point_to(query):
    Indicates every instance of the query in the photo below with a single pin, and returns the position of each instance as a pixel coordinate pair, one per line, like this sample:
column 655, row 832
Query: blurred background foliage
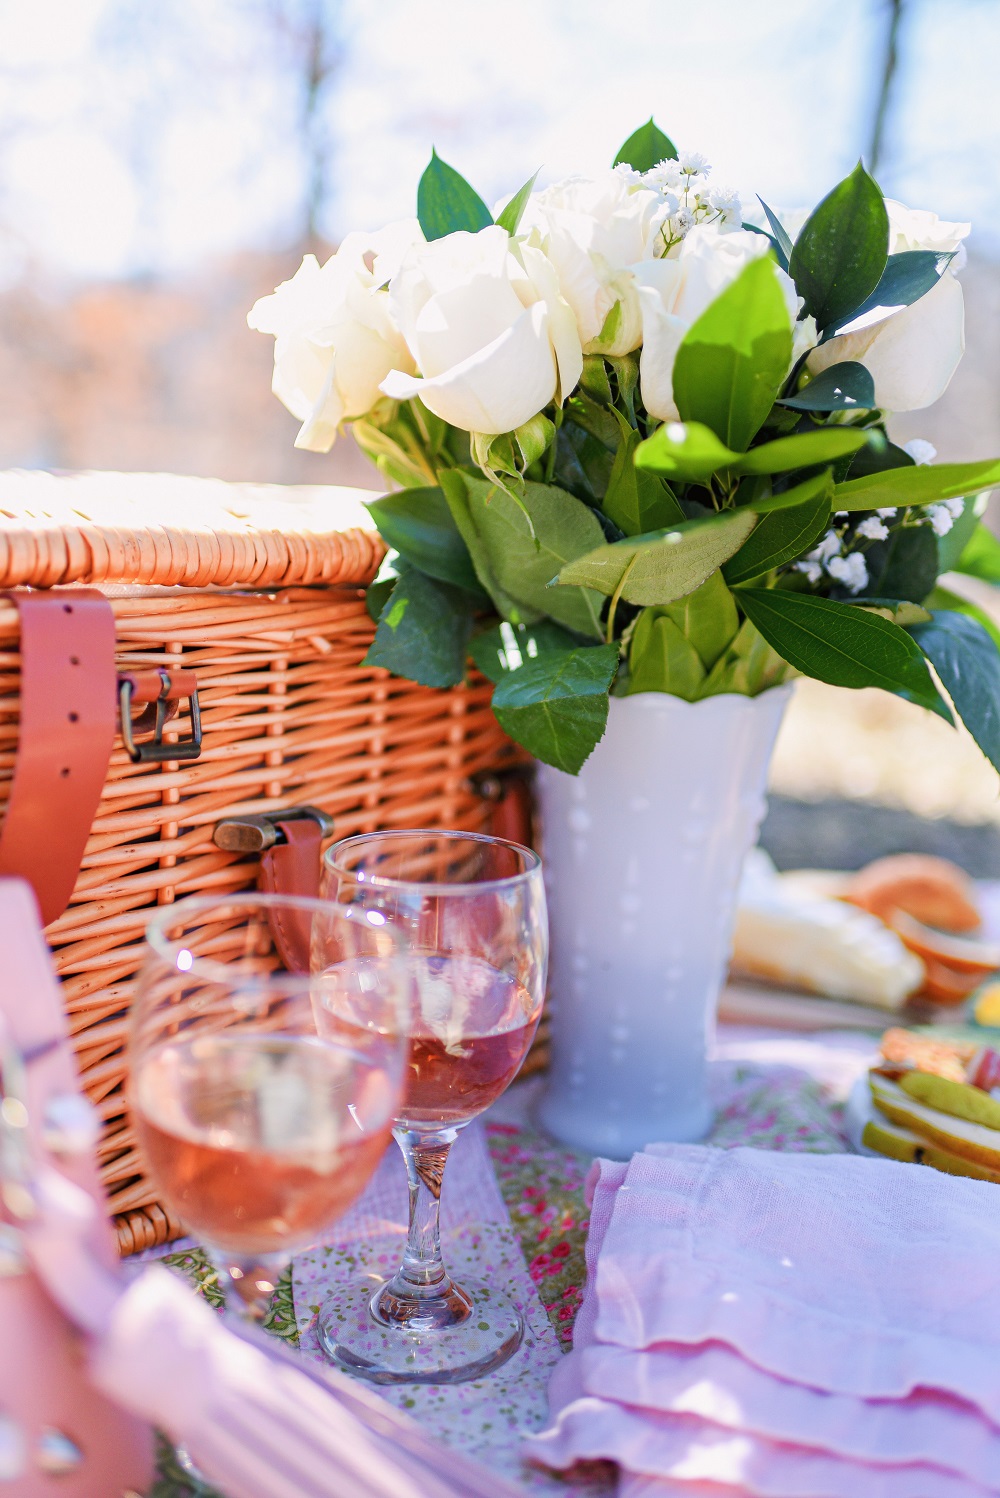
column 162, row 165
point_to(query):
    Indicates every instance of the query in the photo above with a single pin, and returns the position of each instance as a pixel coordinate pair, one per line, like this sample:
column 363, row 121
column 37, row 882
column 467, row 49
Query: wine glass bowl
column 471, row 912
column 261, row 1121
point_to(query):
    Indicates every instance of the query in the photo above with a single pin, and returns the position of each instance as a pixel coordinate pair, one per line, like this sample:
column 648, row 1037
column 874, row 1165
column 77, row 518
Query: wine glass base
column 357, row 1343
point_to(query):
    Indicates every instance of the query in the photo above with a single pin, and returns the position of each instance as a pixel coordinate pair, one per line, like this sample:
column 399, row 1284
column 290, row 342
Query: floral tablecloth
column 772, row 1091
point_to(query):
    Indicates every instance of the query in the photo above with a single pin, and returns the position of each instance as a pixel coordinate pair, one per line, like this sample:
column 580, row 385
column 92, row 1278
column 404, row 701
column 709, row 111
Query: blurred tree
column 888, row 64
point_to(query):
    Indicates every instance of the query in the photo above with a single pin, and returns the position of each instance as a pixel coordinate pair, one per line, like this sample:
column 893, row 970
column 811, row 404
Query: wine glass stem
column 421, row 1294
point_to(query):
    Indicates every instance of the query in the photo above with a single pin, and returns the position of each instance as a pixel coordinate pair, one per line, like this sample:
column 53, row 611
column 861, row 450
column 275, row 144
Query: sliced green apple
column 897, row 1143
column 971, row 1141
column 957, row 1098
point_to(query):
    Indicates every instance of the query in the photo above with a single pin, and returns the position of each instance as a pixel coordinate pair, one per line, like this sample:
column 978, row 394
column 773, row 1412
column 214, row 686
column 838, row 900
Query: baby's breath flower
column 920, row 451
column 665, row 176
column 887, row 513
column 872, row 529
column 829, row 547
column 812, row 570
column 692, row 163
column 941, row 519
column 851, row 570
column 629, row 173
column 955, row 507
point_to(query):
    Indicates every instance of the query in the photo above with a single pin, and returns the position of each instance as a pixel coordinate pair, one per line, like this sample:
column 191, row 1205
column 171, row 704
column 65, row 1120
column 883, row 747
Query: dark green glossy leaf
column 878, row 456
column 782, row 536
column 660, row 567
column 788, row 499
column 944, row 598
column 840, row 644
column 907, row 277
column 922, row 484
column 734, row 358
column 510, row 215
column 842, row 249
column 968, row 665
column 905, row 565
column 840, row 387
column 557, row 705
column 420, row 526
column 507, row 647
column 423, row 632
column 951, row 546
column 446, row 202
column 522, row 549
column 646, row 148
column 981, row 556
column 780, row 234
column 660, row 659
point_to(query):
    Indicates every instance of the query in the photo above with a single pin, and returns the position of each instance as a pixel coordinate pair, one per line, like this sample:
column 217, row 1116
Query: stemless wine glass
column 261, row 1121
column 471, row 910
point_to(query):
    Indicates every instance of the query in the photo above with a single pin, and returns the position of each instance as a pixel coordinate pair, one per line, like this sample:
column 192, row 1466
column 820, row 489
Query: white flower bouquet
column 638, row 433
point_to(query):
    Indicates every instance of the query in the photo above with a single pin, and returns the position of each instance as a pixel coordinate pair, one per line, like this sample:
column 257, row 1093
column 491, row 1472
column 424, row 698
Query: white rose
column 492, row 338
column 919, row 229
column 592, row 231
column 911, row 355
column 335, row 340
column 674, row 293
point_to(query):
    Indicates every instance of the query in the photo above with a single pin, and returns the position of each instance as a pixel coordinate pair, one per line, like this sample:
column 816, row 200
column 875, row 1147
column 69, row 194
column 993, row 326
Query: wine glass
column 260, row 1120
column 472, row 912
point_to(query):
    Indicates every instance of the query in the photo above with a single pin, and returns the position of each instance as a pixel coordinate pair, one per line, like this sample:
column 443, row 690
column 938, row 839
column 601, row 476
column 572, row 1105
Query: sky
column 143, row 138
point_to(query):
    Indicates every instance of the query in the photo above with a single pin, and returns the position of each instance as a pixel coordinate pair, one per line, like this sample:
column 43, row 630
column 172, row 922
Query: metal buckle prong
column 156, row 751
column 255, row 832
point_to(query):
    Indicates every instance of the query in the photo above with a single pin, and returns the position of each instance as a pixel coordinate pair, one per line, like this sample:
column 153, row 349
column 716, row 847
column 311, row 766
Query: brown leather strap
column 292, row 868
column 65, row 739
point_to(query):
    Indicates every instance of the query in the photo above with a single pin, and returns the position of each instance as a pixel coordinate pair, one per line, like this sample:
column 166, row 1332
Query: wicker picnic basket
column 257, row 591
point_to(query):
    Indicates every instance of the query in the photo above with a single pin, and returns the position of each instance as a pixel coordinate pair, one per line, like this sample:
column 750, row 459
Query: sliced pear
column 902, row 1144
column 958, row 1136
column 957, row 1098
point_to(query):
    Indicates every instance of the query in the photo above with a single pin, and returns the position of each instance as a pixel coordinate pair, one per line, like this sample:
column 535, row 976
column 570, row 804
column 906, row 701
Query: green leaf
column 646, row 148
column 878, row 456
column 637, row 501
column 790, row 499
column 557, row 706
column 943, row 598
column 801, row 450
column 782, row 536
column 507, row 647
column 446, row 203
column 423, row 632
column 509, row 217
column 968, row 665
column 391, row 570
column 842, row 249
column 922, row 484
column 594, row 378
column 951, row 546
column 780, row 233
column 685, row 450
column 457, row 491
column 898, row 611
column 707, row 618
column 419, row 525
column 840, row 387
column 521, row 550
column 533, row 437
column 841, row 644
column 749, row 666
column 907, row 277
column 661, row 660
column 905, row 565
column 663, row 566
column 734, row 358
column 981, row 557
column 626, row 370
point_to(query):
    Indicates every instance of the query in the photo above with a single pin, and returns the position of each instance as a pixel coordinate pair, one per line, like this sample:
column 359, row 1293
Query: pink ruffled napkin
column 785, row 1325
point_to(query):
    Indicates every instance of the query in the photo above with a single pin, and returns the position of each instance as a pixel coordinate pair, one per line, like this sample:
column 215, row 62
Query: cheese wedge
column 897, row 1143
column 959, row 1136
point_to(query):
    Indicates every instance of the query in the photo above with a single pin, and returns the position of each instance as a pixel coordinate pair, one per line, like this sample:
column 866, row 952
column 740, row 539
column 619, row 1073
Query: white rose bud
column 483, row 320
column 335, row 340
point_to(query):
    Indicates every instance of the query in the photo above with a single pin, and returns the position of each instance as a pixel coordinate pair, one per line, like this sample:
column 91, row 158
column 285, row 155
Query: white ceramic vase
column 643, row 852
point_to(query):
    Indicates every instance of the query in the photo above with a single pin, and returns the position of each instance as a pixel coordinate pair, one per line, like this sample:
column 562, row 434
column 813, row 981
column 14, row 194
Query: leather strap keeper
column 66, row 736
column 293, row 868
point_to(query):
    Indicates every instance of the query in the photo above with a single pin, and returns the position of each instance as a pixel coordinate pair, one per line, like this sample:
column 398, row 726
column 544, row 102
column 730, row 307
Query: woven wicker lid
column 162, row 529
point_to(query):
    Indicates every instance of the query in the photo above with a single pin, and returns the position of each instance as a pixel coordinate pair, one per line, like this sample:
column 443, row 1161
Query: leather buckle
column 160, row 706
column 257, row 831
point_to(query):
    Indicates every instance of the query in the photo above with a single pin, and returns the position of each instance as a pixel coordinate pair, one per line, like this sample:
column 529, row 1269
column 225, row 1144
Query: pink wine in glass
column 259, row 1142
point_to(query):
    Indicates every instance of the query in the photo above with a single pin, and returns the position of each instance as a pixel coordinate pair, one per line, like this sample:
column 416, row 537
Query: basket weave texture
column 289, row 715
